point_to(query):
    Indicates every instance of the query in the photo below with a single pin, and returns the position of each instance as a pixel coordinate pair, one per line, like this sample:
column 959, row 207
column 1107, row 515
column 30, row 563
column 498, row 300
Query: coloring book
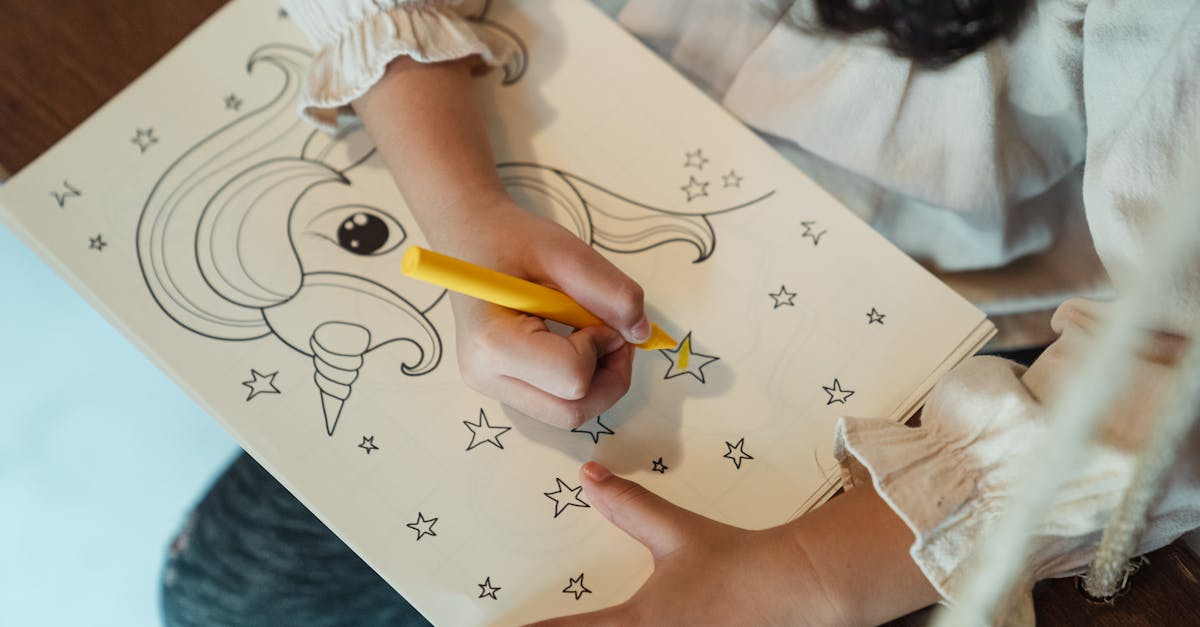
column 257, row 261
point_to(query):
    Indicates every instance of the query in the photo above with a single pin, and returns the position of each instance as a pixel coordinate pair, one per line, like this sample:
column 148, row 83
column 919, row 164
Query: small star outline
column 69, row 191
column 695, row 189
column 368, row 444
column 740, row 455
column 144, row 138
column 658, row 466
column 487, row 590
column 783, row 297
column 836, row 393
column 874, row 317
column 809, row 233
column 423, row 526
column 261, row 384
column 594, row 428
column 97, row 243
column 233, row 103
column 695, row 160
column 576, row 587
column 731, row 180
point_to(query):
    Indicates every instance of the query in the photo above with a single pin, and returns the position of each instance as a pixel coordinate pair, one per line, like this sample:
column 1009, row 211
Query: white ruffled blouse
column 1027, row 164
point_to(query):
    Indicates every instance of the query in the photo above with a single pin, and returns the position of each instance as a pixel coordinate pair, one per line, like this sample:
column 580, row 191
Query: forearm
column 427, row 124
column 853, row 554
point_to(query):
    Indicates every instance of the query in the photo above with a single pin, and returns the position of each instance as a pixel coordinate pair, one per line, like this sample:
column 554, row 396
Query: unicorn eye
column 359, row 230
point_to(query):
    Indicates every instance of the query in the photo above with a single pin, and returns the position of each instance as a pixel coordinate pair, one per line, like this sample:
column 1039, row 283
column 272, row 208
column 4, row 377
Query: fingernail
column 596, row 472
column 640, row 331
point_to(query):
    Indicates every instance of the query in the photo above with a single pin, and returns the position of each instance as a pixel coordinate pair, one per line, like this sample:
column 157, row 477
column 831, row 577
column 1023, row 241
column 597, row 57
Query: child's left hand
column 705, row 572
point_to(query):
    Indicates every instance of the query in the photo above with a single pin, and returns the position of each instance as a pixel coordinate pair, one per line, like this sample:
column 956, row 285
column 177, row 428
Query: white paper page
column 217, row 231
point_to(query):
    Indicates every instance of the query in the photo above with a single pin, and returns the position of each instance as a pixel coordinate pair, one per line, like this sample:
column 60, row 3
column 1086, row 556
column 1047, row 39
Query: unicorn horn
column 337, row 349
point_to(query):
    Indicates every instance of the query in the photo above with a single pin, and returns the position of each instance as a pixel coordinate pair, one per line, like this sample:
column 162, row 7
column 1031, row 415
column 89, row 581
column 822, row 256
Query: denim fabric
column 251, row 554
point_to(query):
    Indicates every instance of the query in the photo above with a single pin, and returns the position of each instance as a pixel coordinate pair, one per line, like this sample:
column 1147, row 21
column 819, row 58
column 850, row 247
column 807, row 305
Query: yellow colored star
column 686, row 361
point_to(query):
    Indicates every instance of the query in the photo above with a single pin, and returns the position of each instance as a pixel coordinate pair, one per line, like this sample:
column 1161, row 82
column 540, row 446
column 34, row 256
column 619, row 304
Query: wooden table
column 61, row 60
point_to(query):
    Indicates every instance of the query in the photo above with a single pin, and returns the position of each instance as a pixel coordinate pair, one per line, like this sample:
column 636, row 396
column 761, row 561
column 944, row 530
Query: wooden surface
column 61, row 60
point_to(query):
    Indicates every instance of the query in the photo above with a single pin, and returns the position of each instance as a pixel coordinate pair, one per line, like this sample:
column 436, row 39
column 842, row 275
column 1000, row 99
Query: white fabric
column 971, row 167
column 948, row 478
column 356, row 39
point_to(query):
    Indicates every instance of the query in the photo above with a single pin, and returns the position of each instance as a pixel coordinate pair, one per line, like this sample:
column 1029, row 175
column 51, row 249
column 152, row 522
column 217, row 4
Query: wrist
column 464, row 223
column 810, row 598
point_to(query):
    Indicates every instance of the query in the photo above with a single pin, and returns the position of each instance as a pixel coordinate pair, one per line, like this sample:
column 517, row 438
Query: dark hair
column 931, row 32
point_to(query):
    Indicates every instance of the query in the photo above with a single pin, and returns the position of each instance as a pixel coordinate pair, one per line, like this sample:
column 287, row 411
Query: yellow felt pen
column 509, row 291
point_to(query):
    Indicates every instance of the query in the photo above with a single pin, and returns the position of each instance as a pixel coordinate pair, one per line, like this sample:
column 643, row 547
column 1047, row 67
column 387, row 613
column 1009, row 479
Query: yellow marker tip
column 658, row 339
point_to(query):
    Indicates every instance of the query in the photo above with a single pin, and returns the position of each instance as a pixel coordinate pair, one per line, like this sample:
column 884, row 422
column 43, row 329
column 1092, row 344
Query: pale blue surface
column 101, row 457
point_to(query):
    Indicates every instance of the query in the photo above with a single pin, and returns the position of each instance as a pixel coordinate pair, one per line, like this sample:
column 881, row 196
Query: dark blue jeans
column 251, row 554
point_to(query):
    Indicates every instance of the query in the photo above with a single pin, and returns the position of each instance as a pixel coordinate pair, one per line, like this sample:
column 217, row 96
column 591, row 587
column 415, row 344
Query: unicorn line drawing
column 252, row 232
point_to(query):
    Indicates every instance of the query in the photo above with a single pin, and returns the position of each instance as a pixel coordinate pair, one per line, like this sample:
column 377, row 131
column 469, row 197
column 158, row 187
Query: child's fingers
column 652, row 520
column 508, row 343
column 563, row 367
column 609, row 384
column 602, row 289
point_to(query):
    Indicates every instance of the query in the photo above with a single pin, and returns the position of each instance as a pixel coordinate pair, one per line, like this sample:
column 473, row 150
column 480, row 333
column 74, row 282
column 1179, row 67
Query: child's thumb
column 649, row 518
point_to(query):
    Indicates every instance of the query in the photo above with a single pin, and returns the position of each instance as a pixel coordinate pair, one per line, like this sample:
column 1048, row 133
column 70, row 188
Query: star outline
column 484, row 424
column 673, row 370
column 487, row 590
column 695, row 189
column 256, row 384
column 576, row 500
column 143, row 138
column 595, row 433
column 423, row 526
column 781, row 295
column 368, row 444
column 837, row 394
column 578, row 592
column 741, row 452
column 808, row 231
column 70, row 192
column 695, row 159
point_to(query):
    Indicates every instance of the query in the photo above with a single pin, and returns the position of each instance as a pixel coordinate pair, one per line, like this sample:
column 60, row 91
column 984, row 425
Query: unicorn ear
column 174, row 210
column 242, row 244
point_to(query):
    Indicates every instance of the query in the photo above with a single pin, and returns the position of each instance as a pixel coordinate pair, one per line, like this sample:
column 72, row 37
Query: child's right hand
column 515, row 357
column 425, row 119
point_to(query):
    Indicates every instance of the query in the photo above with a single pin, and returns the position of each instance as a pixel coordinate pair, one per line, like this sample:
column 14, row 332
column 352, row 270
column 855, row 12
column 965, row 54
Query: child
column 968, row 149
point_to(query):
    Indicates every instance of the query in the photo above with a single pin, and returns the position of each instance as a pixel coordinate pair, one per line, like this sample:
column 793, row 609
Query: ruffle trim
column 941, row 479
column 904, row 466
column 352, row 62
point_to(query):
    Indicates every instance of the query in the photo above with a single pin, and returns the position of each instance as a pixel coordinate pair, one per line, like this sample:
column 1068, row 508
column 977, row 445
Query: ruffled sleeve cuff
column 356, row 39
column 945, row 479
column 949, row 478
